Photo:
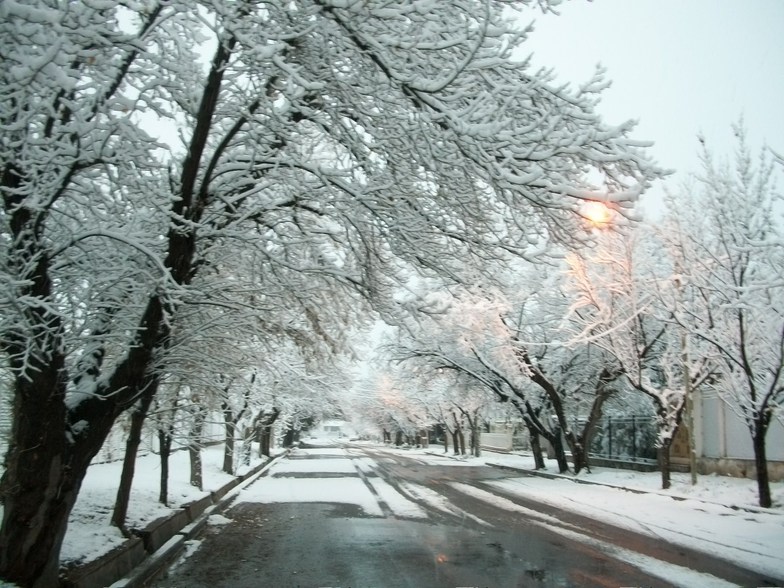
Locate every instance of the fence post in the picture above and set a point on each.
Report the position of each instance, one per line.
(634, 438)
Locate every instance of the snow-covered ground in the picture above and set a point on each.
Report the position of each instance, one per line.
(89, 534)
(718, 514)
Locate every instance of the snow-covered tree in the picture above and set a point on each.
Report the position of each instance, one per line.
(333, 139)
(510, 343)
(726, 235)
(617, 291)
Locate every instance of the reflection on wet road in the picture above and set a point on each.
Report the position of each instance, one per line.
(356, 517)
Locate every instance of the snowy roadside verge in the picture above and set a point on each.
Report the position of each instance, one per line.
(735, 493)
(718, 515)
(96, 554)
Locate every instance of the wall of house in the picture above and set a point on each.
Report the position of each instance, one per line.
(501, 441)
(724, 442)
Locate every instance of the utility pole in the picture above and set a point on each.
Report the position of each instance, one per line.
(689, 408)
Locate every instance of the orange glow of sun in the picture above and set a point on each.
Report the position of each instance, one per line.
(598, 214)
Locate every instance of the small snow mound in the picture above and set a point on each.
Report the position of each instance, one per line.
(218, 520)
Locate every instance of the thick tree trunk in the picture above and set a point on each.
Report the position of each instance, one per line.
(554, 396)
(229, 424)
(761, 463)
(265, 442)
(246, 448)
(536, 448)
(291, 437)
(48, 457)
(586, 436)
(579, 457)
(602, 393)
(461, 440)
(579, 451)
(556, 443)
(194, 448)
(475, 435)
(664, 462)
(446, 440)
(196, 469)
(123, 497)
(45, 467)
(667, 438)
(265, 431)
(38, 461)
(165, 442)
(560, 454)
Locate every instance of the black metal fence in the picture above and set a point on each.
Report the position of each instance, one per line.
(627, 437)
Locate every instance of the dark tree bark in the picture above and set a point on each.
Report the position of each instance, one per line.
(38, 459)
(229, 426)
(230, 420)
(554, 397)
(531, 416)
(458, 438)
(473, 428)
(165, 442)
(248, 435)
(122, 500)
(265, 442)
(761, 460)
(194, 447)
(265, 431)
(540, 430)
(602, 393)
(196, 467)
(476, 451)
(560, 455)
(663, 453)
(536, 447)
(291, 437)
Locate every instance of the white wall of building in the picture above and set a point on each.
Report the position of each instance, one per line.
(724, 434)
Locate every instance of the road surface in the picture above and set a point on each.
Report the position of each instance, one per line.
(363, 517)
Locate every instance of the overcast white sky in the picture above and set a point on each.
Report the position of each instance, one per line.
(680, 67)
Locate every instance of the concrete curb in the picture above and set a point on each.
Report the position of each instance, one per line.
(141, 558)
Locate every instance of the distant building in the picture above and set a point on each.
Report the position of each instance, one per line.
(332, 429)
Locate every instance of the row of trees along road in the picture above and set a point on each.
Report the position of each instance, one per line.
(693, 303)
(273, 162)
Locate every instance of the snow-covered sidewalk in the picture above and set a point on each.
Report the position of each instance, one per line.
(733, 492)
(89, 533)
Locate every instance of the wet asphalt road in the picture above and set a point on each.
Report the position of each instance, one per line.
(462, 541)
